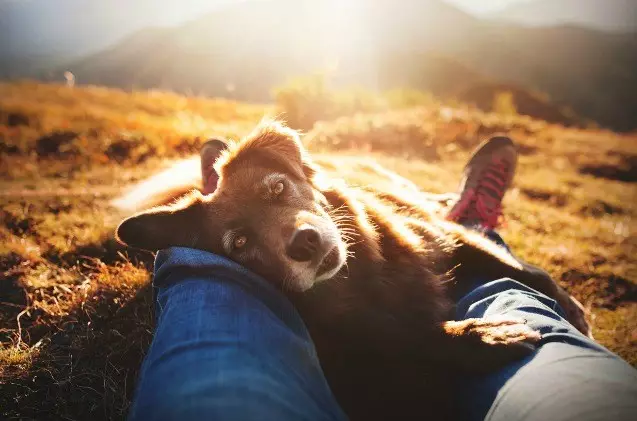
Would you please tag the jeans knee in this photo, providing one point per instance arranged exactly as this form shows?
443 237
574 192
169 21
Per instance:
503 295
506 285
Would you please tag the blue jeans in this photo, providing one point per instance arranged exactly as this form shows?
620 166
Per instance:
229 346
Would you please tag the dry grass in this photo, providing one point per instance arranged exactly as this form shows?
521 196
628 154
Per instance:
75 308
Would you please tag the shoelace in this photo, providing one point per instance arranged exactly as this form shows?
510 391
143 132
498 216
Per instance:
484 203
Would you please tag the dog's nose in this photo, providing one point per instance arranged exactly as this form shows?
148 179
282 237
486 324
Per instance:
306 242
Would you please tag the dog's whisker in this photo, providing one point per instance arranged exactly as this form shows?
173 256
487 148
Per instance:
349 231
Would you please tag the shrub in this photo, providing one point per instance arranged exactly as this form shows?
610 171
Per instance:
504 104
308 99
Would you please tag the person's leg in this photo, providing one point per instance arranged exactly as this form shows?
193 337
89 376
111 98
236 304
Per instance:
569 377
227 346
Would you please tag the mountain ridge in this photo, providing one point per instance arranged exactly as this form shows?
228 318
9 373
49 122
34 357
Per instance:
244 49
609 15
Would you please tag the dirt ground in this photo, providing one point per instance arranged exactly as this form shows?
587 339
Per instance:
75 307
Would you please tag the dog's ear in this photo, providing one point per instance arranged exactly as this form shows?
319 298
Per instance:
178 224
210 151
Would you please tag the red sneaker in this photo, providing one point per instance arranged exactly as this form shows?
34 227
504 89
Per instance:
486 178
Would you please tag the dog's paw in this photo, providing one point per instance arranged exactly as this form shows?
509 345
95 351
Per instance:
504 331
486 344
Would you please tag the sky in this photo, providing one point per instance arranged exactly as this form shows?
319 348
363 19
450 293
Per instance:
479 7
28 24
179 8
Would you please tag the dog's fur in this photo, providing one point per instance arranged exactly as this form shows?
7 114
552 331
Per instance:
377 292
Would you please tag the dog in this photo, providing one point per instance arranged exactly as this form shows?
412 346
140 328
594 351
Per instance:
370 272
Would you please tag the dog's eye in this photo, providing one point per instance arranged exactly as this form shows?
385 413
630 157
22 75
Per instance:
240 241
278 188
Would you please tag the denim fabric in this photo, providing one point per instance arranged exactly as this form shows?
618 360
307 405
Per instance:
229 346
569 377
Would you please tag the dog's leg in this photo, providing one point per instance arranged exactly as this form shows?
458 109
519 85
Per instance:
540 280
532 276
482 345
479 257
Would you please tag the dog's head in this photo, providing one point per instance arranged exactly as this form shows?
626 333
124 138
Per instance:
265 212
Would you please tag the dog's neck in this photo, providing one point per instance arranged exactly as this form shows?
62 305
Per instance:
354 223
374 230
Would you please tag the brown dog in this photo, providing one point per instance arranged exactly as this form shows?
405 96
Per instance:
371 274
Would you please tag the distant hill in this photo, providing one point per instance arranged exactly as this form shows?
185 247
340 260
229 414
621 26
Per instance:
526 102
243 49
250 44
606 15
36 34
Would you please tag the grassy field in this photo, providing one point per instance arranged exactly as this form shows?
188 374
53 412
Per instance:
75 307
